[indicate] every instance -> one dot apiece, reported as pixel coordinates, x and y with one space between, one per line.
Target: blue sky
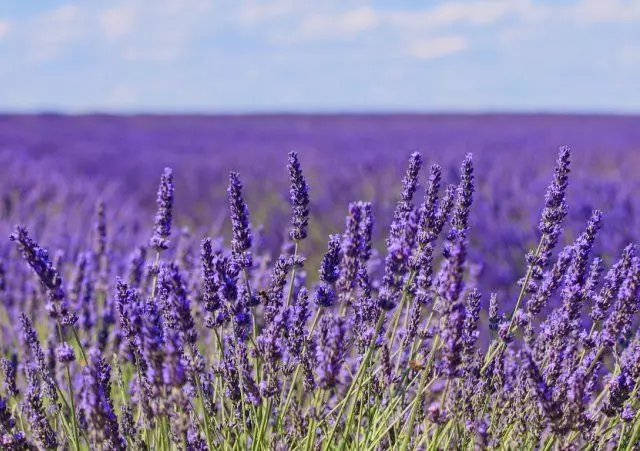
323 55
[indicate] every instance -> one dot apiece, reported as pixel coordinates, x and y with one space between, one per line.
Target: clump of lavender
403 353
38 259
299 197
329 273
242 237
162 226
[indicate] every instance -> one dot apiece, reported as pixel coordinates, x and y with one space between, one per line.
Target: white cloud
437 47
339 24
50 32
609 11
5 28
117 22
122 96
451 13
254 12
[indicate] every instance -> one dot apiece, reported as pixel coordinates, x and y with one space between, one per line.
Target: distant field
349 157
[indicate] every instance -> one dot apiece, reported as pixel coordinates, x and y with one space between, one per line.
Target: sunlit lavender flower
35 414
97 404
298 320
39 361
450 283
409 185
625 306
397 249
493 312
351 248
210 295
7 422
366 231
100 229
432 220
38 259
612 283
242 237
577 273
329 273
299 197
451 331
174 300
553 214
136 266
131 314
65 353
9 367
550 282
471 318
273 297
330 350
162 228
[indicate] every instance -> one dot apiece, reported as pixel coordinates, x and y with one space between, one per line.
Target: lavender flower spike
242 237
162 228
553 214
299 196
329 273
98 405
38 259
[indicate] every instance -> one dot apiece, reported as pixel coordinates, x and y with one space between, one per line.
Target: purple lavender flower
136 266
331 350
38 259
494 319
625 306
329 273
162 228
175 303
7 422
400 238
97 404
471 318
351 249
242 237
273 297
452 330
298 321
40 363
100 230
131 312
550 282
366 232
34 412
299 197
612 283
577 273
450 283
403 207
9 368
553 214
210 287
65 353
432 220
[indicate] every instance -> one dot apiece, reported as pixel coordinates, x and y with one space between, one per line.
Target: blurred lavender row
72 160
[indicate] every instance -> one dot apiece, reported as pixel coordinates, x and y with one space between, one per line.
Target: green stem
293 276
355 383
207 426
74 422
416 406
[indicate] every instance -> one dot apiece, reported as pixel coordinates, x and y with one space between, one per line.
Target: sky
320 56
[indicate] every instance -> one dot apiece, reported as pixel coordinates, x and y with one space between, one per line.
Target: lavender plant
385 348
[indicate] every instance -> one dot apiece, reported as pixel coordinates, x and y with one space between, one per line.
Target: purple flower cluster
200 343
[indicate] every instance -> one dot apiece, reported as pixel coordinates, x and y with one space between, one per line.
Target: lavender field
302 282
